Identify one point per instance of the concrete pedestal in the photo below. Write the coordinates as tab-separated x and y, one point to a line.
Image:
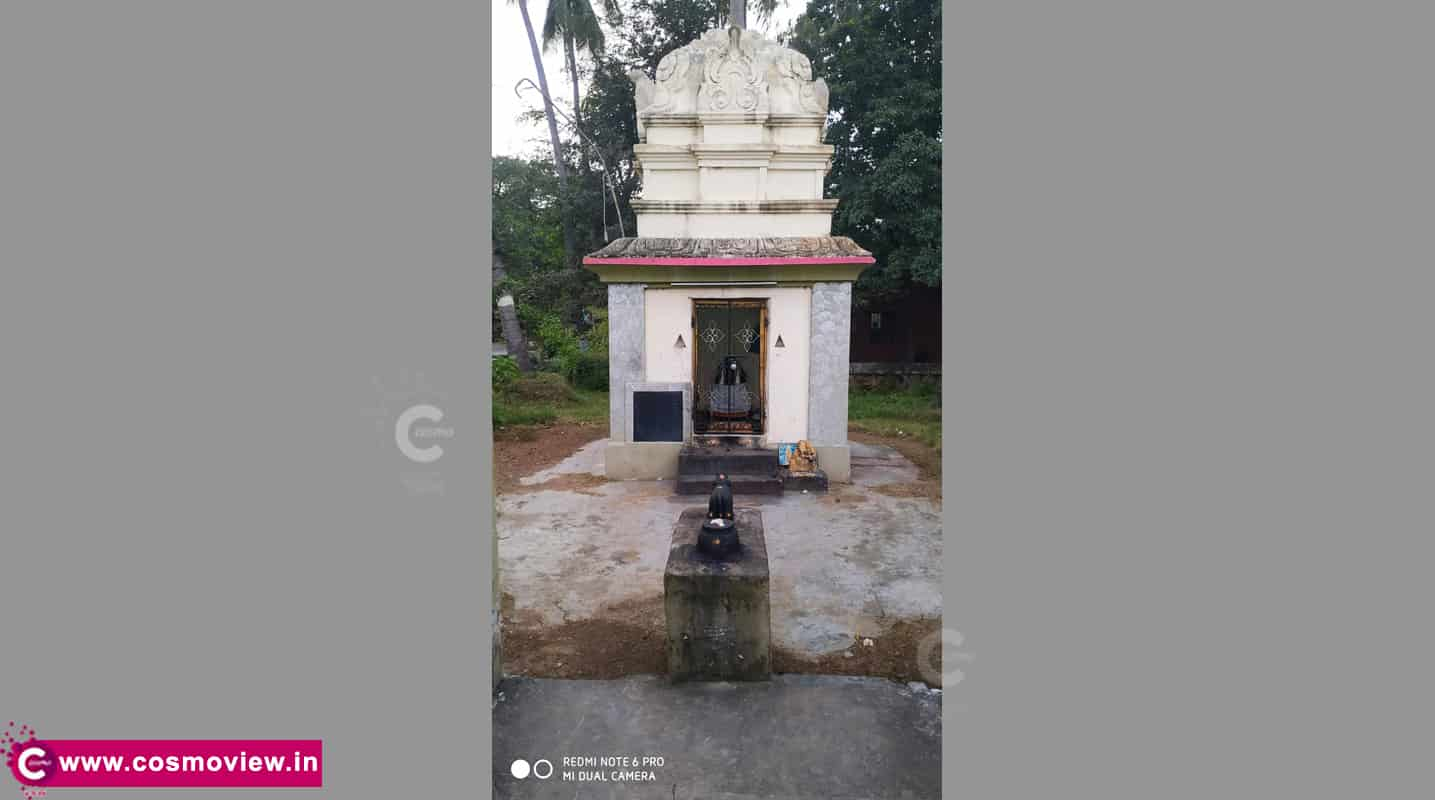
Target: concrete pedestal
718	619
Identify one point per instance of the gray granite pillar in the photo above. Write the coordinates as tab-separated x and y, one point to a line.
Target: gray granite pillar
625	351
831	348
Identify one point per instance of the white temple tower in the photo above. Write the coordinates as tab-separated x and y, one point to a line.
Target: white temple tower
729	312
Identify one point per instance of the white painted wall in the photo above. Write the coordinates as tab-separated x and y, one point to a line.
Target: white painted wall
668	313
700	225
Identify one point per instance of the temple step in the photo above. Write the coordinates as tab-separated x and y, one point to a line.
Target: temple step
735	461
741	484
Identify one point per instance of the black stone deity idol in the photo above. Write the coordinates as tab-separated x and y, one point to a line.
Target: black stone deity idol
720	503
730	396
718	537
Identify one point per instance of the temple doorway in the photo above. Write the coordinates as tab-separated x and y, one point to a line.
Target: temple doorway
729	368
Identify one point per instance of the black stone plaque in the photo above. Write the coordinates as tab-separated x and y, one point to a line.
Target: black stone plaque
658	416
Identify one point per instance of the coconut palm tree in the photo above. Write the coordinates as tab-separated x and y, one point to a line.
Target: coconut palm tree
577	23
570	245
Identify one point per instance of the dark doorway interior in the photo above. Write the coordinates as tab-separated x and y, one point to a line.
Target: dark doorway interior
729	376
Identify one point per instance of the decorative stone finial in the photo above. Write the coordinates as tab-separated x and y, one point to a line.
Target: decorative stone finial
733	71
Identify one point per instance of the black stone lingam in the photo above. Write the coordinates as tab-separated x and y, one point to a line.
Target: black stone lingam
718	537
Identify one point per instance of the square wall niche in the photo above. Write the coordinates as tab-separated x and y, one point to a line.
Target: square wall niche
658	412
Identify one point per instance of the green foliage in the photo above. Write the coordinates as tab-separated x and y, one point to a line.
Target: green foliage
540	387
582	361
506	414
527	228
590	407
597	335
882	63
528	232
505	371
546	398
576	19
590	372
912	412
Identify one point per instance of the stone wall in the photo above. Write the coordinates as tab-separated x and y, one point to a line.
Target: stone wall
625	349
830	344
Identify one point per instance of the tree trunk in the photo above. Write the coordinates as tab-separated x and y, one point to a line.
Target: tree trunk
573	72
508	319
570	242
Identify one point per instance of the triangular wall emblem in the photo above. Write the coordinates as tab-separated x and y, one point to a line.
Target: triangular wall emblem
679	343
779	342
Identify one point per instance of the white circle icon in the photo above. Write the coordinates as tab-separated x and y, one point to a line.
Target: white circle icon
542	776
519	768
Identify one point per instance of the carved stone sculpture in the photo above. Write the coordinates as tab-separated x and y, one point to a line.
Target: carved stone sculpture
733	71
803	460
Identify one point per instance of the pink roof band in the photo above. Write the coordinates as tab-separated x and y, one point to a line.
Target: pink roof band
773	261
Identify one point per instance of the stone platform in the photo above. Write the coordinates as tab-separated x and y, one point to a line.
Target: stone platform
717	611
752	471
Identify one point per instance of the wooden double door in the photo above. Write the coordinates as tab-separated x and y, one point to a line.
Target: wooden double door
729	367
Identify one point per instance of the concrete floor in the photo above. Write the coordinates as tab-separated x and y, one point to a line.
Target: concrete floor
848	563
796	737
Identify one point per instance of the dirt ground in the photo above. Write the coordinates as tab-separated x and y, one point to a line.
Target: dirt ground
895	654
627	639
523	450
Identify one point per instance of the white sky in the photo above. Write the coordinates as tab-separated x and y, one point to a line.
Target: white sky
513	61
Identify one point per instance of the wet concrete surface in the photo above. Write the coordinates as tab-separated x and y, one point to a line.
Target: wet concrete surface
847	564
797	737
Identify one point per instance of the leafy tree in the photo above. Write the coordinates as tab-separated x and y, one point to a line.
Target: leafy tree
576	23
882	62
527	232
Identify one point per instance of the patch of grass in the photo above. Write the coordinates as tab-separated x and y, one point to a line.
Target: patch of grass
508	414
545	399
540	387
589	406
912	413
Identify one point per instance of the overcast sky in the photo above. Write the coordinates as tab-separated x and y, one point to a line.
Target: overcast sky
513	61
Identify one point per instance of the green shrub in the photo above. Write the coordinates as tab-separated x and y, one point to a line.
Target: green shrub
558	340
540	387
598	335
590	372
505	371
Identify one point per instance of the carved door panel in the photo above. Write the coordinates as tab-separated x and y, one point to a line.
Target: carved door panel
729	380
